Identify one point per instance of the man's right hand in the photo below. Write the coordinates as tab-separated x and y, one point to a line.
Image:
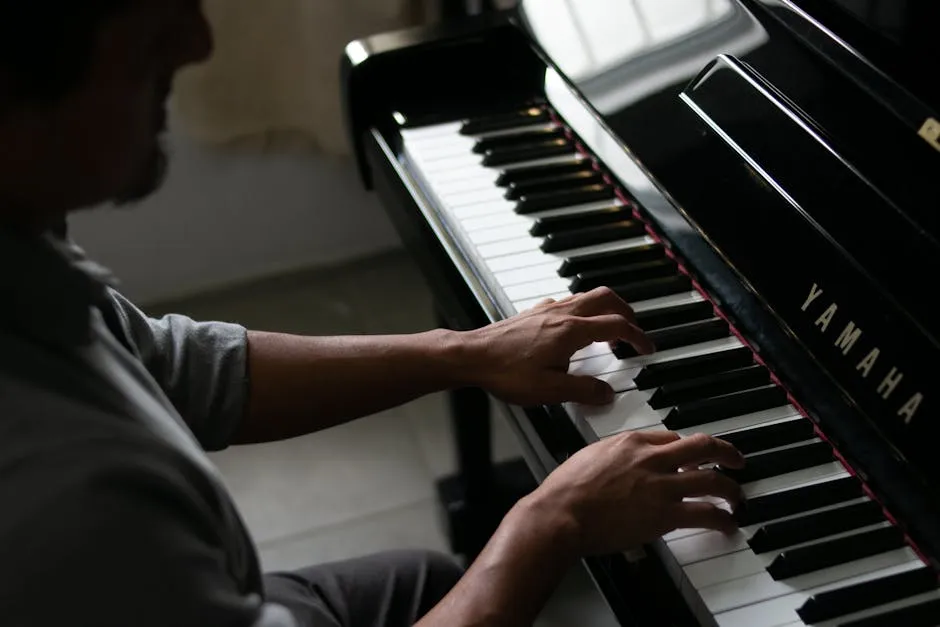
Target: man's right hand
629	489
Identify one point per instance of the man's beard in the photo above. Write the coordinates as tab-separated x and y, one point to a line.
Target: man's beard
150	178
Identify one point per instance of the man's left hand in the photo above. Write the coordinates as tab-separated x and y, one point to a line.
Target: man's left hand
524	360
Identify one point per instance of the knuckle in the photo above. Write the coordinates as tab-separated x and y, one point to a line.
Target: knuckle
568	323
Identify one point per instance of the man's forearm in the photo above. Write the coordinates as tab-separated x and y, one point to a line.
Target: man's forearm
303	384
516	573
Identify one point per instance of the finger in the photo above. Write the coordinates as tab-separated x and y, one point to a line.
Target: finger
701	515
700	449
705	483
544	303
579	389
658	438
600	301
616	328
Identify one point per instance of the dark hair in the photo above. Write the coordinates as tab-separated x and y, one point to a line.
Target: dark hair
46	45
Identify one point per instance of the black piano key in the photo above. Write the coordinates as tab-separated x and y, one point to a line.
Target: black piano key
505	121
798	500
593	217
808	559
593	262
926	614
527	152
866	595
583	195
756	439
780	535
616	275
522	138
675	370
655	319
653	288
578	178
516	176
678	336
766	465
710	386
714	409
591	236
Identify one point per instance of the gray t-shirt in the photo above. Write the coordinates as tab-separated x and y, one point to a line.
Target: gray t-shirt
112	515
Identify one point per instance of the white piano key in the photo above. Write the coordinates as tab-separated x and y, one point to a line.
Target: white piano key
628	412
449	164
419	133
603	364
509	247
782	610
435	149
438	169
499	234
535	289
494	220
745	591
491	208
473	197
705	546
746	563
486	179
738	423
597	349
674	300
525	275
537	257
621	381
439	179
793	479
682	533
522	260
712	544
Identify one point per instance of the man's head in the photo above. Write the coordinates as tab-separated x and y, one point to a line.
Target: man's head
83	90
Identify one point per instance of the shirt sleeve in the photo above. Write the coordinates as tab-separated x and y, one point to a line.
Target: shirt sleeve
201	366
124	537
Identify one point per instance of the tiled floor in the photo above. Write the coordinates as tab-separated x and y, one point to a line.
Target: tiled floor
369	485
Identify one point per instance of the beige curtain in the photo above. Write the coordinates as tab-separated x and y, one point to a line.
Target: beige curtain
273	82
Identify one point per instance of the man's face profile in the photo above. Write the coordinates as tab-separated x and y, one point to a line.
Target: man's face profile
101	140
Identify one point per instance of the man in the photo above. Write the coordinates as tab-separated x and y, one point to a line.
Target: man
113	516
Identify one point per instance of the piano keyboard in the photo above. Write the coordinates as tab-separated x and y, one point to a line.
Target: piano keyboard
543	222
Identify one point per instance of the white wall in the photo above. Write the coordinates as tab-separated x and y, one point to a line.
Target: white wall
222	218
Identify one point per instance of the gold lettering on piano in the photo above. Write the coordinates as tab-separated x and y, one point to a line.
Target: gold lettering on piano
930	131
848	337
890	382
866	364
814	293
823	321
910	408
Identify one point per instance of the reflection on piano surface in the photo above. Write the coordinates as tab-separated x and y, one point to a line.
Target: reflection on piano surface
752	178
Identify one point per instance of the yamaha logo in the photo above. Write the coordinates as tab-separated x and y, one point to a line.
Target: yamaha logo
869	362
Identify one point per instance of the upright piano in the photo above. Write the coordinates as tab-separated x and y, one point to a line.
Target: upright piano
759	178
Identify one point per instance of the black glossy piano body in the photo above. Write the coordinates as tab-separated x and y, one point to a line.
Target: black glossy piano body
788	155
